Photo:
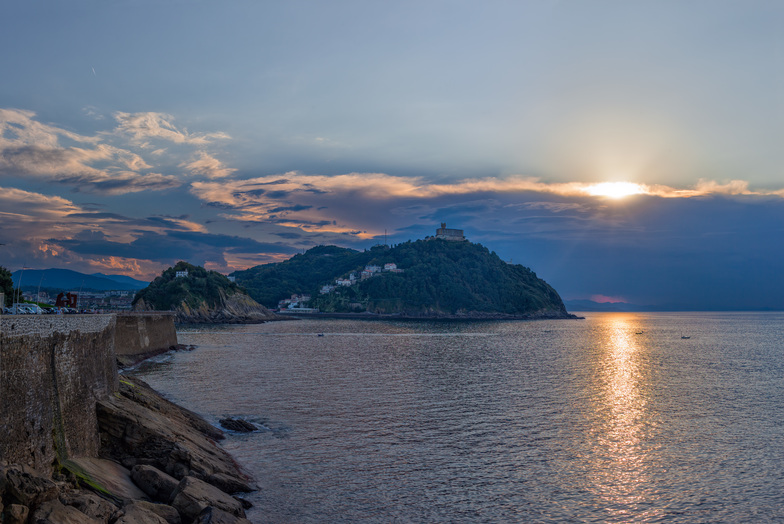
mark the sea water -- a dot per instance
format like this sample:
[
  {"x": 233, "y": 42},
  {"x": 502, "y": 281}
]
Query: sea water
[{"x": 613, "y": 418}]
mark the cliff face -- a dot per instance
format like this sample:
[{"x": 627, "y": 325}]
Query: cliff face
[{"x": 238, "y": 308}]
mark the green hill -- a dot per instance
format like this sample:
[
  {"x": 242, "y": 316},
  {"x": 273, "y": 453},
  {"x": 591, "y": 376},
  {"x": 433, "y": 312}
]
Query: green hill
[
  {"x": 167, "y": 292},
  {"x": 438, "y": 278},
  {"x": 200, "y": 297}
]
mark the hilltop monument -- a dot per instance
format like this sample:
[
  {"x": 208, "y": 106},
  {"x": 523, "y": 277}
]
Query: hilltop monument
[{"x": 450, "y": 234}]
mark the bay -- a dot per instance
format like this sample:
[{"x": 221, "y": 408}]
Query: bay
[{"x": 613, "y": 418}]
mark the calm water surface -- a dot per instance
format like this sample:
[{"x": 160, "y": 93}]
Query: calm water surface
[{"x": 614, "y": 418}]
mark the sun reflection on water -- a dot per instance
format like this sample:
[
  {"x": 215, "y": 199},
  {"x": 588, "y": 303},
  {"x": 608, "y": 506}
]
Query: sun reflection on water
[{"x": 621, "y": 459}]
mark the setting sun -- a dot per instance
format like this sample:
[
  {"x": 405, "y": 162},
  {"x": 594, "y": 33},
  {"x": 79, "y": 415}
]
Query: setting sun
[{"x": 615, "y": 189}]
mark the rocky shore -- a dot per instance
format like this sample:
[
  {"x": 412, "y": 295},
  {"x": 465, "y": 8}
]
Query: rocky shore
[
  {"x": 238, "y": 308},
  {"x": 158, "y": 464}
]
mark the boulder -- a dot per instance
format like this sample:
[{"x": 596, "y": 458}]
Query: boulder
[
  {"x": 90, "y": 504},
  {"x": 212, "y": 515},
  {"x": 230, "y": 483},
  {"x": 139, "y": 427},
  {"x": 28, "y": 490},
  {"x": 106, "y": 475},
  {"x": 154, "y": 482},
  {"x": 193, "y": 496},
  {"x": 15, "y": 514},
  {"x": 55, "y": 512},
  {"x": 237, "y": 424},
  {"x": 141, "y": 512},
  {"x": 166, "y": 512}
]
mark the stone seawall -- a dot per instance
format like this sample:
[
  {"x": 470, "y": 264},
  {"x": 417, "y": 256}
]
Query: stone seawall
[
  {"x": 140, "y": 335},
  {"x": 79, "y": 444},
  {"x": 53, "y": 370}
]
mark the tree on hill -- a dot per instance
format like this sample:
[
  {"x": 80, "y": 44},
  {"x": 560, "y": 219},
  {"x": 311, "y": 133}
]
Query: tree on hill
[
  {"x": 302, "y": 273},
  {"x": 201, "y": 286},
  {"x": 449, "y": 278},
  {"x": 6, "y": 286}
]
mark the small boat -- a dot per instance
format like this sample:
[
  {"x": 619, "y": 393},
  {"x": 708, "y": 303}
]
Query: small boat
[
  {"x": 684, "y": 337},
  {"x": 639, "y": 332}
]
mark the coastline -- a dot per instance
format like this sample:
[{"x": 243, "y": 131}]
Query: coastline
[
  {"x": 426, "y": 317},
  {"x": 81, "y": 442}
]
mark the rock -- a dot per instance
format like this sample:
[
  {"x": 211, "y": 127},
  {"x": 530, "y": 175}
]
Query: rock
[
  {"x": 28, "y": 490},
  {"x": 246, "y": 504},
  {"x": 55, "y": 512},
  {"x": 90, "y": 504},
  {"x": 193, "y": 496},
  {"x": 148, "y": 513},
  {"x": 166, "y": 512},
  {"x": 212, "y": 515},
  {"x": 238, "y": 425},
  {"x": 139, "y": 427},
  {"x": 230, "y": 483},
  {"x": 154, "y": 482},
  {"x": 106, "y": 475},
  {"x": 237, "y": 308},
  {"x": 15, "y": 514}
]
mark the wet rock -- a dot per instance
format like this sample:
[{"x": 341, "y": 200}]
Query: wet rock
[
  {"x": 246, "y": 504},
  {"x": 238, "y": 425},
  {"x": 55, "y": 512},
  {"x": 154, "y": 482},
  {"x": 212, "y": 515},
  {"x": 193, "y": 496},
  {"x": 230, "y": 483},
  {"x": 15, "y": 514}
]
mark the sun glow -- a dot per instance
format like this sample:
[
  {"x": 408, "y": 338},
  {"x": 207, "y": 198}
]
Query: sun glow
[{"x": 615, "y": 189}]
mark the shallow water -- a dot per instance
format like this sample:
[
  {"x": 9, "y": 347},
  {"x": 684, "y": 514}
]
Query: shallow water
[{"x": 614, "y": 418}]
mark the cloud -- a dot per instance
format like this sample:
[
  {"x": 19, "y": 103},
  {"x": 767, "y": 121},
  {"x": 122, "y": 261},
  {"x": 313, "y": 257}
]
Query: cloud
[
  {"x": 366, "y": 202},
  {"x": 113, "y": 163},
  {"x": 145, "y": 126},
  {"x": 207, "y": 166},
  {"x": 51, "y": 231}
]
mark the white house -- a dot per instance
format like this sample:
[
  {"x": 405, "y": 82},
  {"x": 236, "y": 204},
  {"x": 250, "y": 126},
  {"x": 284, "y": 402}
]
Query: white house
[{"x": 179, "y": 274}]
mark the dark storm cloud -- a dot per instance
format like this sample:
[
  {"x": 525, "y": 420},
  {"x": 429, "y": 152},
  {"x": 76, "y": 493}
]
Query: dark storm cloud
[
  {"x": 169, "y": 246},
  {"x": 166, "y": 222}
]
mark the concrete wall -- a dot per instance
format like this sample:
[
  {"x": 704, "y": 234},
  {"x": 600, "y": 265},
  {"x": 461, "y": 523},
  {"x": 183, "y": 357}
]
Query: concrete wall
[
  {"x": 143, "y": 334},
  {"x": 52, "y": 370}
]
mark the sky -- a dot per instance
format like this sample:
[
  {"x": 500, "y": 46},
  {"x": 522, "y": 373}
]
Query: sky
[{"x": 624, "y": 151}]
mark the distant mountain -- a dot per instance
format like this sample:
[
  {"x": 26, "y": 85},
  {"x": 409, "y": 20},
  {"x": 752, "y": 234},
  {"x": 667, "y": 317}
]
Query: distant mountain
[
  {"x": 138, "y": 284},
  {"x": 68, "y": 280},
  {"x": 431, "y": 278},
  {"x": 590, "y": 305}
]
